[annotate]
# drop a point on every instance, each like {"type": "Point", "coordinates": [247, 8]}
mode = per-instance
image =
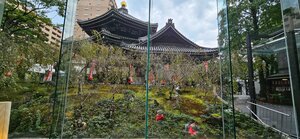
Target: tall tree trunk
{"type": "Point", "coordinates": [253, 11]}
{"type": "Point", "coordinates": [262, 81]}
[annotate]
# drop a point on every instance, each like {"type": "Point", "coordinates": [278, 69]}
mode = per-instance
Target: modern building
{"type": "Point", "coordinates": [88, 9]}
{"type": "Point", "coordinates": [53, 34]}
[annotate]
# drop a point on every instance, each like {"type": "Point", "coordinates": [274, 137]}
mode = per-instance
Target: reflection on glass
{"type": "Point", "coordinates": [1, 9]}
{"type": "Point", "coordinates": [226, 73]}
{"type": "Point", "coordinates": [29, 41]}
{"type": "Point", "coordinates": [63, 72]}
{"type": "Point", "coordinates": [291, 18]}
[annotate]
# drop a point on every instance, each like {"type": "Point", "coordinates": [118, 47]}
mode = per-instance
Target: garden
{"type": "Point", "coordinates": [102, 92]}
{"type": "Point", "coordinates": [118, 111]}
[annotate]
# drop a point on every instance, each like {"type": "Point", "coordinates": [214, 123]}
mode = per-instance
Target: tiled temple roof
{"type": "Point", "coordinates": [114, 15]}
{"type": "Point", "coordinates": [118, 27]}
{"type": "Point", "coordinates": [169, 49]}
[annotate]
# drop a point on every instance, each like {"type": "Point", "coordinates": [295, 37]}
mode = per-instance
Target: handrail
{"type": "Point", "coordinates": [257, 116]}
{"type": "Point", "coordinates": [266, 125]}
{"type": "Point", "coordinates": [269, 109]}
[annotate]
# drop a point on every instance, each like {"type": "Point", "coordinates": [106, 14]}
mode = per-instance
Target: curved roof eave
{"type": "Point", "coordinates": [121, 15]}
{"type": "Point", "coordinates": [170, 26]}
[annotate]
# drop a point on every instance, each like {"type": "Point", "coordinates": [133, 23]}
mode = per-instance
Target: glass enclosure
{"type": "Point", "coordinates": [152, 69]}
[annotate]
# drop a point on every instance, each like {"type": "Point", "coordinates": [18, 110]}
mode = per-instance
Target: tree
{"type": "Point", "coordinates": [23, 19]}
{"type": "Point", "coordinates": [249, 17]}
{"type": "Point", "coordinates": [112, 66]}
{"type": "Point", "coordinates": [17, 59]}
{"type": "Point", "coordinates": [22, 41]}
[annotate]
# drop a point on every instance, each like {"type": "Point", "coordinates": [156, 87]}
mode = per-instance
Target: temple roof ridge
{"type": "Point", "coordinates": [170, 22]}
{"type": "Point", "coordinates": [170, 25]}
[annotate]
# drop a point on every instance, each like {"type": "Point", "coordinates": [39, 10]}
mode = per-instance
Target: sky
{"type": "Point", "coordinates": [195, 19]}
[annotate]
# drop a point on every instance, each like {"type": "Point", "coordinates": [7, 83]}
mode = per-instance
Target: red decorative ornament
{"type": "Point", "coordinates": [130, 80]}
{"type": "Point", "coordinates": [130, 70]}
{"type": "Point", "coordinates": [8, 74]}
{"type": "Point", "coordinates": [90, 78]}
{"type": "Point", "coordinates": [205, 63]}
{"type": "Point", "coordinates": [48, 76]}
{"type": "Point", "coordinates": [163, 82]}
{"type": "Point", "coordinates": [151, 77]}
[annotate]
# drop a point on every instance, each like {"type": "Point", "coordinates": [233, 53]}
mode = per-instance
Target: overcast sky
{"type": "Point", "coordinates": [196, 19]}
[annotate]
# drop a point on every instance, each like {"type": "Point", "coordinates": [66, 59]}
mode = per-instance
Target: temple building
{"type": "Point", "coordinates": [119, 28]}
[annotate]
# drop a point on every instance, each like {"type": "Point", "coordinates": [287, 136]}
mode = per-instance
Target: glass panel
{"type": "Point", "coordinates": [100, 100]}
{"type": "Point", "coordinates": [270, 92]}
{"type": "Point", "coordinates": [226, 93]}
{"type": "Point", "coordinates": [291, 18]}
{"type": "Point", "coordinates": [1, 9]}
{"type": "Point", "coordinates": [60, 121]}
{"type": "Point", "coordinates": [30, 39]}
{"type": "Point", "coordinates": [183, 75]}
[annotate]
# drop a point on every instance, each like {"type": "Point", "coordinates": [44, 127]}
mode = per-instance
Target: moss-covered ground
{"type": "Point", "coordinates": [118, 111]}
